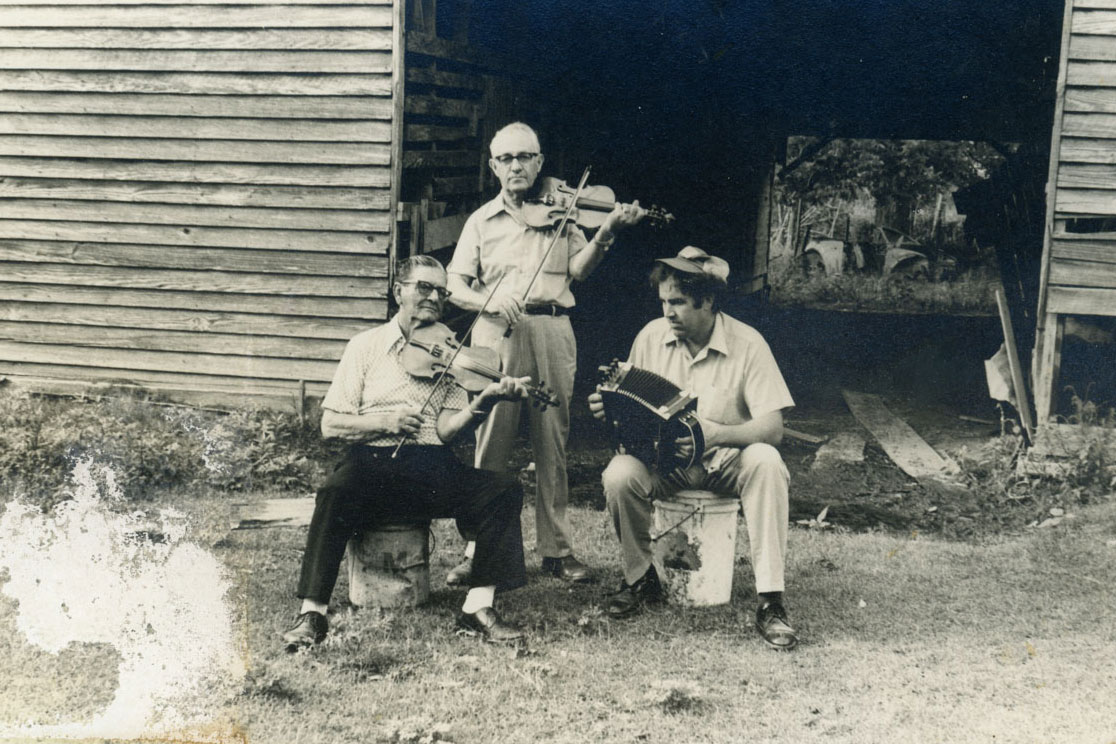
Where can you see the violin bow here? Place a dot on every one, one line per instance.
(441, 375)
(554, 240)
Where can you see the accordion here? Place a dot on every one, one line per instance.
(646, 413)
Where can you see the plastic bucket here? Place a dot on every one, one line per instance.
(694, 546)
(389, 566)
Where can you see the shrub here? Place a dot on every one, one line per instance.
(154, 445)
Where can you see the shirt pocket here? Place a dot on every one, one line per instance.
(720, 403)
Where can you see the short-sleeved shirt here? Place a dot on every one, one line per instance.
(495, 243)
(371, 379)
(735, 377)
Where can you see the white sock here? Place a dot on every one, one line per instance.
(309, 605)
(470, 548)
(478, 598)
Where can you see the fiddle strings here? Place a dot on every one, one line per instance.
(449, 364)
(554, 240)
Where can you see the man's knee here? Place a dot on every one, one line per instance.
(625, 477)
(762, 464)
(508, 489)
(762, 456)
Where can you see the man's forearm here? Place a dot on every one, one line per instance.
(452, 423)
(582, 265)
(767, 429)
(353, 427)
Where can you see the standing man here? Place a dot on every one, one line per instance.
(741, 398)
(496, 245)
(376, 404)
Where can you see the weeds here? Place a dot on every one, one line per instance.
(152, 446)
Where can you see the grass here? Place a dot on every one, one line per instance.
(971, 293)
(905, 638)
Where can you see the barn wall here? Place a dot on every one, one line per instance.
(194, 197)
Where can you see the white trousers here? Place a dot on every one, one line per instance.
(755, 474)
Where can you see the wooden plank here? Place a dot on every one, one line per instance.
(200, 281)
(441, 158)
(1048, 351)
(233, 151)
(216, 259)
(452, 108)
(259, 60)
(89, 336)
(901, 443)
(802, 436)
(212, 83)
(1099, 74)
(298, 130)
(217, 237)
(304, 197)
(164, 104)
(398, 95)
(169, 361)
(1019, 389)
(370, 39)
(1093, 125)
(158, 318)
(1081, 300)
(1087, 176)
(272, 513)
(1084, 250)
(1082, 273)
(190, 16)
(1098, 21)
(442, 232)
(200, 173)
(425, 76)
(432, 46)
(362, 309)
(1085, 201)
(1086, 151)
(1094, 48)
(1100, 100)
(176, 214)
(1082, 4)
(267, 394)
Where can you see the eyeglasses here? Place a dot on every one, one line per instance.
(521, 157)
(426, 288)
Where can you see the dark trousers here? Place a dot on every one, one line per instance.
(369, 487)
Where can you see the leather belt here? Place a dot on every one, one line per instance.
(551, 310)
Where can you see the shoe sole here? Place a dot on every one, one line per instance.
(776, 646)
(487, 639)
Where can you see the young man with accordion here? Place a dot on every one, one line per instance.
(728, 446)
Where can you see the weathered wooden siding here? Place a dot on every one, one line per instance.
(195, 197)
(1079, 253)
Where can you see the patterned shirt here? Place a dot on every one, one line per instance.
(495, 243)
(370, 379)
(735, 377)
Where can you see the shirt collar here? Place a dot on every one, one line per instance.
(394, 333)
(717, 340)
(494, 207)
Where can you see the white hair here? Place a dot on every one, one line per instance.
(515, 126)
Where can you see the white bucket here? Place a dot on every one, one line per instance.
(694, 547)
(389, 566)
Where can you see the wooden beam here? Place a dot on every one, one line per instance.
(1047, 370)
(364, 309)
(122, 103)
(901, 443)
(440, 158)
(331, 39)
(453, 108)
(1081, 301)
(1022, 399)
(432, 46)
(1084, 250)
(1071, 202)
(201, 83)
(1100, 100)
(1083, 274)
(425, 76)
(1093, 48)
(1086, 151)
(217, 237)
(164, 60)
(1086, 176)
(1098, 74)
(1096, 20)
(186, 16)
(308, 176)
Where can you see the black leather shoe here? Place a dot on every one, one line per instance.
(773, 625)
(485, 622)
(310, 628)
(460, 574)
(567, 568)
(632, 598)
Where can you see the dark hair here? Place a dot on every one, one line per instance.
(696, 286)
(407, 267)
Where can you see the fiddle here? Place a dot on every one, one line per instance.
(430, 348)
(546, 207)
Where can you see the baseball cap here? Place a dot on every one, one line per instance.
(694, 260)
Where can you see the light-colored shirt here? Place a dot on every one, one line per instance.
(735, 377)
(495, 243)
(371, 379)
